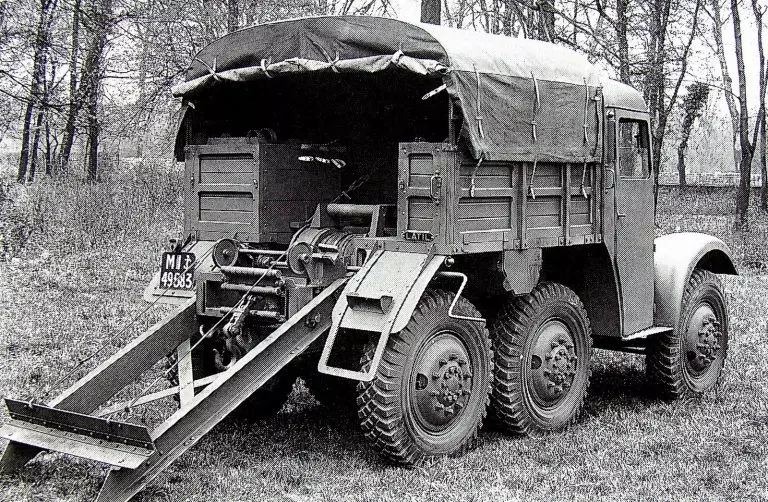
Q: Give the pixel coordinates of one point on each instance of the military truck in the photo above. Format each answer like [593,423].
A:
[426,224]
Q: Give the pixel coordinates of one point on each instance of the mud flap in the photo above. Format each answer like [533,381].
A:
[380,298]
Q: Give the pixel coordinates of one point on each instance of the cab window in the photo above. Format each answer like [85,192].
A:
[633,151]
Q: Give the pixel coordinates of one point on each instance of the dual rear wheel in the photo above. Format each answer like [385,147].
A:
[438,376]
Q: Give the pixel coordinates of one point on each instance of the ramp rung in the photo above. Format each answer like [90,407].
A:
[116,443]
[79,445]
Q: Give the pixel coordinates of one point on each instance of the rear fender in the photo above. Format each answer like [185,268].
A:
[379,298]
[675,258]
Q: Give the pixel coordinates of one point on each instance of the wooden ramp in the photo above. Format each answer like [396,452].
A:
[137,454]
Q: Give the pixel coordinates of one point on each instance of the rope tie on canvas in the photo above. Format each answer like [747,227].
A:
[264,64]
[536,146]
[479,117]
[586,139]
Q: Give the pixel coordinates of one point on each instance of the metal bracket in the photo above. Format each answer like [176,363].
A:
[464,280]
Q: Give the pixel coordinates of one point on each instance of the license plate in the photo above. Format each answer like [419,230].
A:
[177,271]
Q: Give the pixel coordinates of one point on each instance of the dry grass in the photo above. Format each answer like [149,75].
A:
[630,445]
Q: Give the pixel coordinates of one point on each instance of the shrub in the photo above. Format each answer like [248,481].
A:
[141,204]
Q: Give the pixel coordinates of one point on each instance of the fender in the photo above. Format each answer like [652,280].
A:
[379,298]
[675,258]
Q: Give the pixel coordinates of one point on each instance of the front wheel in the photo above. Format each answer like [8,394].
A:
[430,392]
[542,344]
[689,359]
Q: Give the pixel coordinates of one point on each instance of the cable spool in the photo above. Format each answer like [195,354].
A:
[226,252]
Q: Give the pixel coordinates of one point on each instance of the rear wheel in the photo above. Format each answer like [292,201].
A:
[430,392]
[689,360]
[542,343]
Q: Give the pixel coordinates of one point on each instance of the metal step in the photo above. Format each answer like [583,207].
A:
[117,443]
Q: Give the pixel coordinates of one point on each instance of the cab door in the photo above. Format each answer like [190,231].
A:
[634,220]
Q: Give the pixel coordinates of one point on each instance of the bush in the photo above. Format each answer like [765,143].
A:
[142,204]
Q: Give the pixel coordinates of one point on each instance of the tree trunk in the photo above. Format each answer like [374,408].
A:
[35,144]
[763,170]
[745,163]
[681,165]
[621,35]
[727,81]
[233,15]
[141,104]
[74,105]
[430,11]
[38,68]
[761,114]
[93,65]
[547,20]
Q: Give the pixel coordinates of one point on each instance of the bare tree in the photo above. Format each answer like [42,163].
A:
[747,147]
[758,12]
[715,14]
[74,101]
[93,70]
[41,44]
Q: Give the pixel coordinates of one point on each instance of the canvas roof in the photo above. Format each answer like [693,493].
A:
[491,76]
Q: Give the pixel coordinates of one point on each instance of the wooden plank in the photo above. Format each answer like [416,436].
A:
[226,201]
[544,221]
[580,205]
[227,216]
[185,427]
[421,208]
[114,374]
[234,163]
[475,224]
[485,193]
[184,369]
[488,168]
[485,182]
[419,180]
[231,178]
[420,224]
[580,219]
[483,207]
[421,164]
[544,206]
[483,236]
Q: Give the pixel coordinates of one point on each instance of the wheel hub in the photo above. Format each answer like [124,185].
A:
[442,383]
[703,340]
[553,362]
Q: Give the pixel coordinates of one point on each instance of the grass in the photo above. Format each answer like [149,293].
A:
[62,293]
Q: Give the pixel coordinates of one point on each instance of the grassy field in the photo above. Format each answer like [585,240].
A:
[62,294]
